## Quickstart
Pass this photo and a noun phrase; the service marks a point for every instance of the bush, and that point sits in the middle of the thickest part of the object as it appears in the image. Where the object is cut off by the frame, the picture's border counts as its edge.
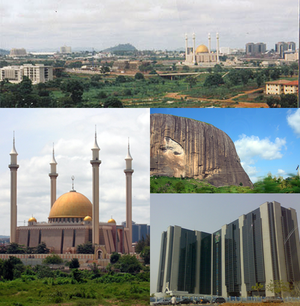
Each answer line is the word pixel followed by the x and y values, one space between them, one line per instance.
pixel 139 76
pixel 113 102
pixel 74 263
pixel 52 259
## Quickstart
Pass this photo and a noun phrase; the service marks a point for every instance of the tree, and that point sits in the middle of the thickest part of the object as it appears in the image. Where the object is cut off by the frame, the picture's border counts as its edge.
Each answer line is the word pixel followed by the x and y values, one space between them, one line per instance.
pixel 129 264
pixel 191 80
pixel 288 100
pixel 121 79
pixel 14 248
pixel 114 257
pixel 278 287
pixel 273 102
pixel 257 287
pixel 85 248
pixel 218 68
pixel 112 102
pixel 25 87
pixel 75 89
pixel 214 79
pixel 74 264
pixel 145 254
pixel 42 248
pixel 185 68
pixel 52 260
pixel 139 76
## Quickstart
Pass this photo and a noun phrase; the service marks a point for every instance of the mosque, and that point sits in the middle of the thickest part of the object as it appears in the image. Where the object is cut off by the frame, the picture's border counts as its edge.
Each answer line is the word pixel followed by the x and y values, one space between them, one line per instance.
pixel 201 54
pixel 73 219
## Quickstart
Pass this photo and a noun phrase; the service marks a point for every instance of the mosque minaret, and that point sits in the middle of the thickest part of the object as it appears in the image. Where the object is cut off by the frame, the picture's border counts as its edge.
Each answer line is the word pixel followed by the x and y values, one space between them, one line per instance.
pixel 53 175
pixel 128 172
pixel 13 166
pixel 95 217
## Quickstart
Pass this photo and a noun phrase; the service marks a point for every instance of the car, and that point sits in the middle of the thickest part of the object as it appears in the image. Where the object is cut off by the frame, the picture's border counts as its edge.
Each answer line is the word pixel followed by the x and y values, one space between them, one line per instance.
pixel 184 301
pixel 218 300
pixel 203 301
pixel 162 302
pixel 272 299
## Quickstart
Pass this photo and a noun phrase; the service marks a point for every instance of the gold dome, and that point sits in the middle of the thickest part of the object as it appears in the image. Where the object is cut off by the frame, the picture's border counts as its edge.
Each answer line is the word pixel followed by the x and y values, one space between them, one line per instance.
pixel 87 218
pixel 202 49
pixel 71 205
pixel 112 221
pixel 32 219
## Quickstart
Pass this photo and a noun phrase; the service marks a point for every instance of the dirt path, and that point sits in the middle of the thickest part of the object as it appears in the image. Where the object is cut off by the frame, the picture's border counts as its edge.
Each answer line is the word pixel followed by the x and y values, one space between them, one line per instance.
pixel 223 103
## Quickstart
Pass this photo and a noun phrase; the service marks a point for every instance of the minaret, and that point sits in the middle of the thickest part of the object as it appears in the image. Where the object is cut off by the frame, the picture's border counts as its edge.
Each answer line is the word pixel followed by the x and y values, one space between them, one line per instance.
pixel 128 172
pixel 95 217
pixel 209 43
pixel 13 166
pixel 217 47
pixel 53 175
pixel 186 47
pixel 194 48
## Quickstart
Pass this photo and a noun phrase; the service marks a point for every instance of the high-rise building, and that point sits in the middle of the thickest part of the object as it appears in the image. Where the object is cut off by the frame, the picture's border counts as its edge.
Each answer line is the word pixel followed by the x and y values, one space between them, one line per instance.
pixel 259 247
pixel 282 47
pixel 255 49
pixel 65 49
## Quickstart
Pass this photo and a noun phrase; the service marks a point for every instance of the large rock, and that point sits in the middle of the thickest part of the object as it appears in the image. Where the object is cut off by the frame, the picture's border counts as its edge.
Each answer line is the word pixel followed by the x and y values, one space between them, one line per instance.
pixel 183 147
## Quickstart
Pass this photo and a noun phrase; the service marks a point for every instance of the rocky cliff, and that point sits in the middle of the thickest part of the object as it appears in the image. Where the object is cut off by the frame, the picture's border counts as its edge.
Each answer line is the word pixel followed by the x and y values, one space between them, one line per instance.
pixel 189 148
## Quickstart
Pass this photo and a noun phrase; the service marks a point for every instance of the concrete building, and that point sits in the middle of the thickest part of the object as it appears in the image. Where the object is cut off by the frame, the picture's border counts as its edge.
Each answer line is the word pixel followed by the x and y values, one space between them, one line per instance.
pixel 255 48
pixel 73 219
pixel 258 247
pixel 201 54
pixel 139 231
pixel 65 49
pixel 285 47
pixel 279 87
pixel 17 52
pixel 36 73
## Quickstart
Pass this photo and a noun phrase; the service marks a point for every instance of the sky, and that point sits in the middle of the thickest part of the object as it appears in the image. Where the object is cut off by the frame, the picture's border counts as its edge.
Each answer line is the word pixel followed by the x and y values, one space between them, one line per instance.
pixel 203 212
pixel 149 24
pixel 73 132
pixel 266 140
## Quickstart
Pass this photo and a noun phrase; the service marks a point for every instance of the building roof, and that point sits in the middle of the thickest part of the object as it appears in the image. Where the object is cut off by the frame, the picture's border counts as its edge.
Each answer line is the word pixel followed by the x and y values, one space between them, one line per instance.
pixel 71 205
pixel 202 49
pixel 293 83
pixel 278 82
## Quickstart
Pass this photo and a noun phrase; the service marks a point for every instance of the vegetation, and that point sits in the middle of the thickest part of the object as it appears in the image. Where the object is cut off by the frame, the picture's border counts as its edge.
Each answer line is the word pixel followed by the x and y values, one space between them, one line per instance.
pixel 40 285
pixel 268 184
pixel 52 260
pixel 86 248
pixel 143 248
pixel 15 248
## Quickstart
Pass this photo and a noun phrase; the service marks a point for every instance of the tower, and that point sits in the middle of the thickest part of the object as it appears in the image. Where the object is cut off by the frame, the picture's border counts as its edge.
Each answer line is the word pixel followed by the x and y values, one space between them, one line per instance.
pixel 95 162
pixel 194 48
pixel 128 172
pixel 53 175
pixel 217 36
pixel 209 43
pixel 13 166
pixel 186 47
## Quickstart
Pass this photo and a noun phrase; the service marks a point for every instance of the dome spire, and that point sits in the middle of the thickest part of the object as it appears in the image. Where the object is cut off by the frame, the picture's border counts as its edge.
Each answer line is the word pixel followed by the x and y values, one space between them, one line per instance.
pixel 96 147
pixel 13 150
pixel 53 157
pixel 128 153
pixel 73 178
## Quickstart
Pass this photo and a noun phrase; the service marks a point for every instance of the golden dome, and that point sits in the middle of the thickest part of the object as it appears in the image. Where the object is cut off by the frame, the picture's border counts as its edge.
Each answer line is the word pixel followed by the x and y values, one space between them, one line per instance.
pixel 111 221
pixel 32 219
pixel 71 205
pixel 202 49
pixel 87 218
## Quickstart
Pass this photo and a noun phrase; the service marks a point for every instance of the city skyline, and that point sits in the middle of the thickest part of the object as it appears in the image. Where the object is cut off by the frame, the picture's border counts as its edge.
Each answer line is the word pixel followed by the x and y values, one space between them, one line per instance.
pixel 73 132
pixel 205 212
pixel 36 25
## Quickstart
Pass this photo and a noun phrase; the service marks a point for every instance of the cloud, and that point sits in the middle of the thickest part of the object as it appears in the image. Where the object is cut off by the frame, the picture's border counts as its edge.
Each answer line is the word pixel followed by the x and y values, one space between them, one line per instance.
pixel 293 120
pixel 249 147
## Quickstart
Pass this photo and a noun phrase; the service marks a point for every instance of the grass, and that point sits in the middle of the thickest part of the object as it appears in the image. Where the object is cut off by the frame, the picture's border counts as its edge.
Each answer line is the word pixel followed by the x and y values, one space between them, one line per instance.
pixel 60 290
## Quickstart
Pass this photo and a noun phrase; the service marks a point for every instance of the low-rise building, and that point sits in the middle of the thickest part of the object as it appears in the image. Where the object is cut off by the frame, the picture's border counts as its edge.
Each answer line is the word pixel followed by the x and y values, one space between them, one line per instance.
pixel 279 87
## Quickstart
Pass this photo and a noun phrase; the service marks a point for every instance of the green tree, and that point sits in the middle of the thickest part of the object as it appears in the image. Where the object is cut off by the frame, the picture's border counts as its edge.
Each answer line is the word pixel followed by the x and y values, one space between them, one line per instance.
pixel 74 264
pixel 272 102
pixel 288 101
pixel 145 254
pixel 217 68
pixel 191 80
pixel 185 68
pixel 52 259
pixel 78 276
pixel 114 257
pixel 278 287
pixel 112 102
pixel 14 248
pixel 121 79
pixel 42 248
pixel 139 76
pixel 129 264
pixel 85 248
pixel 25 87
pixel 257 287
pixel 74 88
pixel 214 79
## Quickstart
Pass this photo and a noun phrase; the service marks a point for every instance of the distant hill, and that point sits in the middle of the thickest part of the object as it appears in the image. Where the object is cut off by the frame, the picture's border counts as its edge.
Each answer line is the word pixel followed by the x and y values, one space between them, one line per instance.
pixel 121 47
pixel 2 236
pixel 4 52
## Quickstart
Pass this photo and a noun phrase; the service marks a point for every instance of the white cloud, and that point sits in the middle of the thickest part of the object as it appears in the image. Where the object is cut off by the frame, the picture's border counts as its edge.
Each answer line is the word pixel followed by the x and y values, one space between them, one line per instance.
pixel 293 120
pixel 249 147
pixel 282 173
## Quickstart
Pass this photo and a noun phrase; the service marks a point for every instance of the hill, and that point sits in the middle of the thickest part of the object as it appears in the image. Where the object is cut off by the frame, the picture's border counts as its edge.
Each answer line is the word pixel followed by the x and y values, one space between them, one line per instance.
pixel 121 47
pixel 4 52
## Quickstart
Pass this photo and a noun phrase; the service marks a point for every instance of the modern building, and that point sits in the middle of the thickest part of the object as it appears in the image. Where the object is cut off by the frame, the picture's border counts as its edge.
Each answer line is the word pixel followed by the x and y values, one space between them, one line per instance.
pixel 255 48
pixel 36 73
pixel 73 218
pixel 285 47
pixel 139 231
pixel 280 87
pixel 201 54
pixel 17 52
pixel 259 247
pixel 66 49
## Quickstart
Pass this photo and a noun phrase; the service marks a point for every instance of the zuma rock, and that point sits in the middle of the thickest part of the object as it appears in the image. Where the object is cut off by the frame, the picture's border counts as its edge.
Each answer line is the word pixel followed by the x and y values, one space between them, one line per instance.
pixel 182 147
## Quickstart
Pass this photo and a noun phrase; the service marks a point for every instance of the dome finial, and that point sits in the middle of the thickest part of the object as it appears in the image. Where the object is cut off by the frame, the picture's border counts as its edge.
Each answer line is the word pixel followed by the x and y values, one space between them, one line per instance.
pixel 96 144
pixel 73 178
pixel 128 153
pixel 53 157
pixel 14 151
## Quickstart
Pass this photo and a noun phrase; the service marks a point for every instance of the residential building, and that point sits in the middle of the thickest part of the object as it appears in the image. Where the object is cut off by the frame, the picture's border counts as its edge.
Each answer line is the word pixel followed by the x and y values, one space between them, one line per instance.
pixel 279 87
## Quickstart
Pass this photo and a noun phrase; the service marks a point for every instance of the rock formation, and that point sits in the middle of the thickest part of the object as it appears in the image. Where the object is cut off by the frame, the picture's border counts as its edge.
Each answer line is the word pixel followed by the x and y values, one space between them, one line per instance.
pixel 189 148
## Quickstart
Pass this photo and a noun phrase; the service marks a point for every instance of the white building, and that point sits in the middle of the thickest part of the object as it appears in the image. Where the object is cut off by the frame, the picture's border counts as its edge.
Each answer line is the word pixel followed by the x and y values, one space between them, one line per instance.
pixel 36 73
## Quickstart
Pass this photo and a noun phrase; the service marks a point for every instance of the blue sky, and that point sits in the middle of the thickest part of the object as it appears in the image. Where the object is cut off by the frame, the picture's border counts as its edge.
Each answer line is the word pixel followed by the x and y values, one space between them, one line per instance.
pixel 266 140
